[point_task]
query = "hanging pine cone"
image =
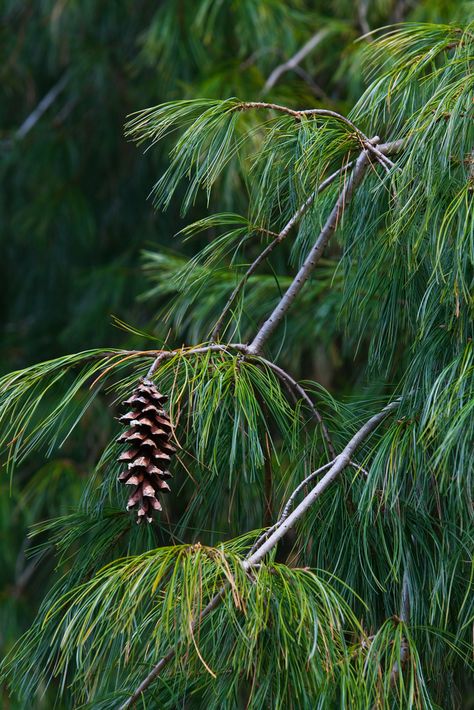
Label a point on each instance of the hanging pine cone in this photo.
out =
(148, 438)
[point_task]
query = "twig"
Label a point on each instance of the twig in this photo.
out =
(168, 354)
(294, 495)
(288, 505)
(293, 385)
(365, 141)
(314, 255)
(41, 108)
(284, 376)
(384, 149)
(293, 62)
(300, 212)
(337, 466)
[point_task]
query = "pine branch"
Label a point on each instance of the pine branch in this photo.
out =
(167, 354)
(384, 149)
(365, 141)
(295, 219)
(294, 61)
(340, 463)
(253, 559)
(314, 255)
(288, 505)
(42, 107)
(300, 392)
(316, 252)
(291, 384)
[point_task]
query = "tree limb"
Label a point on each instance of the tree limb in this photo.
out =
(337, 466)
(300, 212)
(293, 62)
(41, 108)
(384, 149)
(313, 257)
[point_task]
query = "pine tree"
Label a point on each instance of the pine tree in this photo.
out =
(313, 551)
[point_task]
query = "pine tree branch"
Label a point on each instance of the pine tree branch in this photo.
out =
(213, 347)
(288, 505)
(384, 149)
(294, 61)
(365, 141)
(314, 255)
(41, 108)
(253, 559)
(338, 465)
(301, 393)
(295, 219)
(284, 376)
(316, 252)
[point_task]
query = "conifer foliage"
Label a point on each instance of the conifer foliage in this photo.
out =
(316, 549)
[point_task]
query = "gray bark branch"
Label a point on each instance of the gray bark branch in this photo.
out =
(313, 257)
(41, 108)
(295, 219)
(294, 61)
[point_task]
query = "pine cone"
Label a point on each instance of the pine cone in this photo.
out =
(148, 450)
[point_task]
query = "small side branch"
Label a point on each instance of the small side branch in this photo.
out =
(288, 506)
(338, 465)
(364, 140)
(290, 383)
(295, 60)
(185, 352)
(295, 219)
(301, 393)
(41, 108)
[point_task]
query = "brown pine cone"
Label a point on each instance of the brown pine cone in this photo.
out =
(148, 451)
